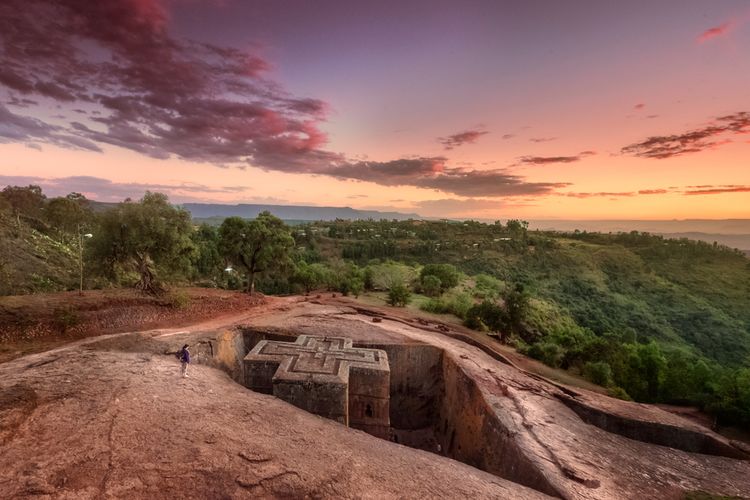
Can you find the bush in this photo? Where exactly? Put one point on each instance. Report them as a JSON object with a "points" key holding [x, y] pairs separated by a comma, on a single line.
{"points": [[487, 287], [399, 296], [456, 303], [179, 300], [487, 315], [354, 285], [548, 353], [65, 318], [447, 274], [431, 285], [598, 372], [619, 393]]}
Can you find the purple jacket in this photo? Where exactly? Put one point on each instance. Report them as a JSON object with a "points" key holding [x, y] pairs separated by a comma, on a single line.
{"points": [[185, 356]]}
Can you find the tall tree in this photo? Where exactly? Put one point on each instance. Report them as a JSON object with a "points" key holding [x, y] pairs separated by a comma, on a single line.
{"points": [[66, 215], [27, 200], [258, 245], [145, 236], [207, 261], [391, 274], [517, 307]]}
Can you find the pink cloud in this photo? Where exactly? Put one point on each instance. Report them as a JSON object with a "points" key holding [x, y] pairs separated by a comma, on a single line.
{"points": [[461, 138], [547, 160], [716, 32], [164, 96], [693, 141]]}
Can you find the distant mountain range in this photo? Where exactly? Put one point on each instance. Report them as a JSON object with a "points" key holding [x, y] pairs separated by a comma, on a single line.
{"points": [[712, 226], [734, 233], [290, 212]]}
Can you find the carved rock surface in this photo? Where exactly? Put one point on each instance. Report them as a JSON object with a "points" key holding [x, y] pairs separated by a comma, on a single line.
{"points": [[110, 417]]}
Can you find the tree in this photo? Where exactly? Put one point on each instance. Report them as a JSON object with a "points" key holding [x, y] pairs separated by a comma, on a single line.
{"points": [[66, 214], [446, 273], [653, 364], [144, 236], [487, 315], [598, 372], [27, 200], [389, 274], [517, 307], [257, 245], [207, 260], [431, 285], [310, 276]]}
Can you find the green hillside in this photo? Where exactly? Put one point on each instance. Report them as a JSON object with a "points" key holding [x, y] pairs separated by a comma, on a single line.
{"points": [[33, 259], [649, 318], [652, 319], [684, 294]]}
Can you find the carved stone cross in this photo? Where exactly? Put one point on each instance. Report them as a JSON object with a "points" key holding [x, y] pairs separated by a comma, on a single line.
{"points": [[326, 376]]}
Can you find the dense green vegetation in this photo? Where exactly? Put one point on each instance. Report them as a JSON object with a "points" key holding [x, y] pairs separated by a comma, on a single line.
{"points": [[652, 319]]}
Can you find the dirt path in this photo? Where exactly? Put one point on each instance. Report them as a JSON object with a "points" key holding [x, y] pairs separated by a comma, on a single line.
{"points": [[32, 323]]}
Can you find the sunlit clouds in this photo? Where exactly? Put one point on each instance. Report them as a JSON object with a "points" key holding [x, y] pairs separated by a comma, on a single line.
{"points": [[454, 110]]}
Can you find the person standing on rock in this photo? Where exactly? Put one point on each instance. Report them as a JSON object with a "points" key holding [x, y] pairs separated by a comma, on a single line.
{"points": [[184, 359]]}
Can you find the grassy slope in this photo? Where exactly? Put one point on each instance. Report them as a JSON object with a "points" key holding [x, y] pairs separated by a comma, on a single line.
{"points": [[31, 261]]}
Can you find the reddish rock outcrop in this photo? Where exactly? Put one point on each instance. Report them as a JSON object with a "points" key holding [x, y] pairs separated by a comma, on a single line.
{"points": [[110, 417]]}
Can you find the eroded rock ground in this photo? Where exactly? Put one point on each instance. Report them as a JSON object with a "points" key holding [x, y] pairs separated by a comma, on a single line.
{"points": [[109, 417]]}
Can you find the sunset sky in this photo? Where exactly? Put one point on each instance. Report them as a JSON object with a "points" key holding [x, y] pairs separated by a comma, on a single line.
{"points": [[584, 109]]}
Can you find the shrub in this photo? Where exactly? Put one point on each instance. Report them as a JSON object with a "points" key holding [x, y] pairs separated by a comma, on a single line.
{"points": [[431, 285], [179, 300], [399, 296], [598, 372], [487, 315], [456, 303], [487, 287], [65, 318], [619, 393], [548, 353], [355, 286], [447, 274]]}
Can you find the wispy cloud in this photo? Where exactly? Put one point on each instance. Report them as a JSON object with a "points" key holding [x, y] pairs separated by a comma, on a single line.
{"points": [[195, 101], [546, 160], [461, 138], [600, 194], [615, 194], [165, 97], [433, 173], [694, 141], [716, 32], [107, 190], [730, 188]]}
